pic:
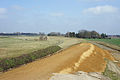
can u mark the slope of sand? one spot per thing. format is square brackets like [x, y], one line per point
[82, 57]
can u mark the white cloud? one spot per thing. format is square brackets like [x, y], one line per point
[57, 14]
[3, 10]
[17, 7]
[101, 10]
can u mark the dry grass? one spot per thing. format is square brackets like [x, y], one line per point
[16, 46]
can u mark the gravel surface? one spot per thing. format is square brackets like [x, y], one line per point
[79, 76]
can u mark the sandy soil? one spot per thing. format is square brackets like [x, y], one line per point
[82, 57]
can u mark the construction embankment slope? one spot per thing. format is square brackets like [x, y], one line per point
[82, 57]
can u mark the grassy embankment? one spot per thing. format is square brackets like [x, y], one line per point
[15, 51]
[112, 74]
[111, 43]
[8, 63]
[114, 44]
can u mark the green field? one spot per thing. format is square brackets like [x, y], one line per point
[110, 41]
[16, 46]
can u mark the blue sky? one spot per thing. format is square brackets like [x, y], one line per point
[60, 15]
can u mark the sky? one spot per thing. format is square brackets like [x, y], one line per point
[60, 16]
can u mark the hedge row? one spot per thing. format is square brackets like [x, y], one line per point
[8, 63]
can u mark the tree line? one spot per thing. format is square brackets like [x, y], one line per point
[79, 34]
[86, 34]
[18, 34]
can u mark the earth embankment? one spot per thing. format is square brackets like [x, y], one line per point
[82, 57]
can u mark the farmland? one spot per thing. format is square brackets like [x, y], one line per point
[16, 46]
[18, 50]
[109, 41]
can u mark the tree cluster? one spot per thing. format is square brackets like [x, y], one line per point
[54, 34]
[70, 34]
[86, 34]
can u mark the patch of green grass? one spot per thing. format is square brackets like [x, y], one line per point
[8, 63]
[110, 41]
[111, 74]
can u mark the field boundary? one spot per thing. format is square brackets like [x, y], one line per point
[109, 46]
[8, 63]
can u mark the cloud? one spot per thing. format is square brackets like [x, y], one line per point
[101, 10]
[57, 14]
[17, 7]
[3, 10]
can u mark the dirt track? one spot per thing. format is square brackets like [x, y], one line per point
[82, 57]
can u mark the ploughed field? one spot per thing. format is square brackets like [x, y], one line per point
[81, 57]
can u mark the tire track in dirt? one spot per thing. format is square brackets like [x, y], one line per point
[82, 57]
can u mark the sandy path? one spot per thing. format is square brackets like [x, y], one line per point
[85, 57]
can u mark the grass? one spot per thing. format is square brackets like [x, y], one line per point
[8, 63]
[17, 46]
[16, 51]
[110, 41]
[111, 74]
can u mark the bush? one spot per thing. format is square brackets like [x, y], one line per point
[8, 63]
